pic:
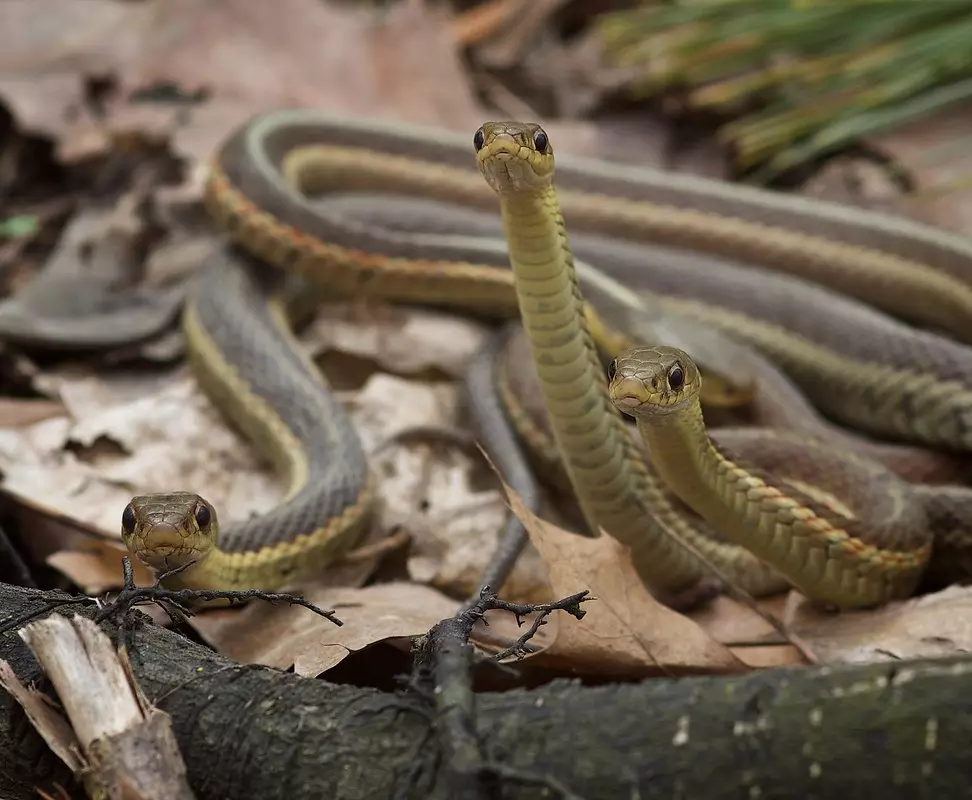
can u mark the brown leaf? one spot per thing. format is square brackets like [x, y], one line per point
[285, 636]
[480, 22]
[749, 636]
[16, 413]
[248, 57]
[932, 625]
[48, 47]
[95, 565]
[626, 632]
[401, 64]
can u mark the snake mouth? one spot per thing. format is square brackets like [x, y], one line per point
[163, 558]
[166, 547]
[506, 168]
[628, 402]
[507, 172]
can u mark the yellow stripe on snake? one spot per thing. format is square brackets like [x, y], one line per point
[859, 366]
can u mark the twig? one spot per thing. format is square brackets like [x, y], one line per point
[49, 604]
[129, 748]
[444, 662]
[569, 604]
[177, 602]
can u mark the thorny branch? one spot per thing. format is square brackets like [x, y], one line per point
[177, 603]
[442, 671]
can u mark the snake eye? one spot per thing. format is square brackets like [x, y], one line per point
[676, 378]
[479, 139]
[128, 519]
[612, 370]
[203, 516]
[540, 141]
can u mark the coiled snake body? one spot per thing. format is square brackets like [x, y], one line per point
[259, 192]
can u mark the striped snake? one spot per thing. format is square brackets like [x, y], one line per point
[858, 365]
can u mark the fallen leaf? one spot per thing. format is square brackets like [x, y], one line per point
[750, 637]
[480, 22]
[285, 636]
[296, 53]
[401, 341]
[626, 632]
[95, 566]
[16, 413]
[49, 47]
[288, 53]
[933, 625]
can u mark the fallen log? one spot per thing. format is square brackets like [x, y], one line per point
[896, 729]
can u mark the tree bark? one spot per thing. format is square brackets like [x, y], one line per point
[892, 730]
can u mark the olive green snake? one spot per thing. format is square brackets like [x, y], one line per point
[904, 382]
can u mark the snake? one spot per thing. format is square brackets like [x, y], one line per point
[775, 494]
[260, 191]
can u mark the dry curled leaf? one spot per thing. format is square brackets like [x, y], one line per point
[626, 632]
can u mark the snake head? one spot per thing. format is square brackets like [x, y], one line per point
[514, 156]
[653, 381]
[165, 531]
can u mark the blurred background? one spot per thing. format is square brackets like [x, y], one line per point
[859, 101]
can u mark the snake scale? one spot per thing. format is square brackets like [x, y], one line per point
[859, 365]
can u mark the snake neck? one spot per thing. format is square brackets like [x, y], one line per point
[823, 557]
[606, 469]
[687, 459]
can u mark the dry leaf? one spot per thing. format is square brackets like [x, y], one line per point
[626, 632]
[296, 53]
[282, 636]
[95, 566]
[428, 488]
[48, 48]
[390, 335]
[16, 413]
[932, 625]
[749, 636]
[269, 55]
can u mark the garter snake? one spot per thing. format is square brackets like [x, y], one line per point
[259, 191]
[874, 552]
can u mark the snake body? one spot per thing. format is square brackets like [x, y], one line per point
[769, 491]
[615, 488]
[259, 192]
[243, 352]
[821, 339]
